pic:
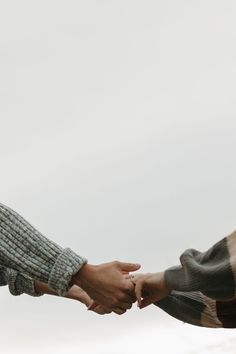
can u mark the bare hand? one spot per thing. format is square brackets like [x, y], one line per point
[76, 293]
[99, 309]
[107, 284]
[149, 288]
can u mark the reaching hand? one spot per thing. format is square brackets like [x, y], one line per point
[99, 309]
[76, 293]
[107, 284]
[149, 288]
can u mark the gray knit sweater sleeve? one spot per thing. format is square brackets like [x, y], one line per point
[213, 272]
[18, 283]
[27, 251]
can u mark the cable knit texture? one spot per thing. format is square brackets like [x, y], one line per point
[26, 251]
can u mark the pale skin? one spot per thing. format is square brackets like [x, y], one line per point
[75, 293]
[149, 288]
[103, 288]
[113, 289]
[108, 285]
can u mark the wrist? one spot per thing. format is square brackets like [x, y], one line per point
[78, 294]
[43, 288]
[164, 285]
[81, 278]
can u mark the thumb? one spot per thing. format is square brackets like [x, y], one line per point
[129, 267]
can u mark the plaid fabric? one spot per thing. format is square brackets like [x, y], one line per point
[204, 286]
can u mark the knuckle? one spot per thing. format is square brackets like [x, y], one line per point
[120, 312]
[114, 302]
[121, 296]
[128, 286]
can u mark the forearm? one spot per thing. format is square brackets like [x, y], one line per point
[26, 250]
[74, 293]
[43, 288]
[212, 272]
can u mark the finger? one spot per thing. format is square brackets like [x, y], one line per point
[135, 278]
[129, 306]
[92, 306]
[138, 292]
[148, 301]
[119, 311]
[131, 276]
[100, 310]
[126, 305]
[129, 296]
[128, 267]
[127, 275]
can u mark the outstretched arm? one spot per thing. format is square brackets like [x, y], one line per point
[27, 251]
[201, 291]
[74, 293]
[213, 273]
[19, 283]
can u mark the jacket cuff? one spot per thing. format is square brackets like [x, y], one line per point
[67, 264]
[175, 279]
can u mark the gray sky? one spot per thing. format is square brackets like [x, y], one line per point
[117, 140]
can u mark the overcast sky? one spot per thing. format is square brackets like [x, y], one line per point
[117, 140]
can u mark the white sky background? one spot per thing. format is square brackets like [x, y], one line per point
[117, 140]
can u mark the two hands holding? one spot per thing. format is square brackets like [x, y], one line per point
[109, 287]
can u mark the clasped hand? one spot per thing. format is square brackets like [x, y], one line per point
[110, 287]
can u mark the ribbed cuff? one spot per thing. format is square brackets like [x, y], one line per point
[175, 279]
[67, 264]
[19, 283]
